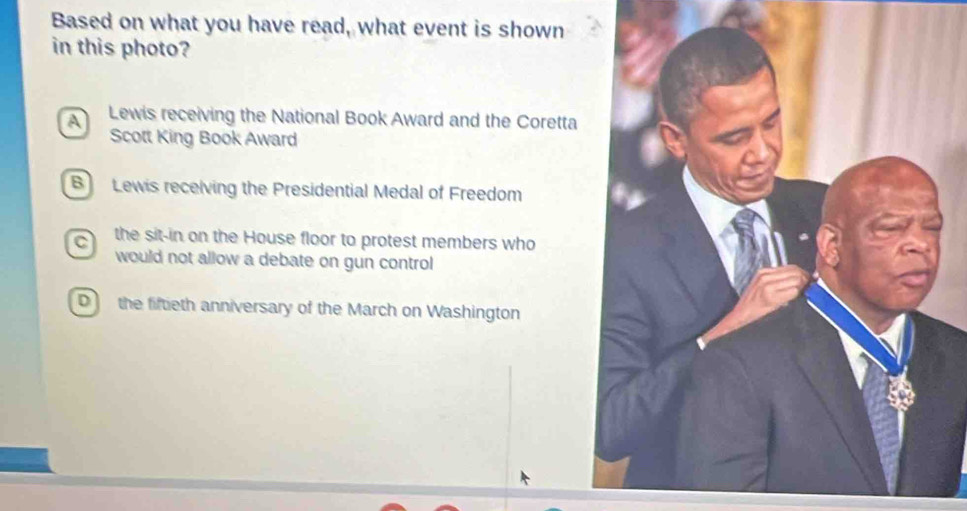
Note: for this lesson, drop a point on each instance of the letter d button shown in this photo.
(83, 302)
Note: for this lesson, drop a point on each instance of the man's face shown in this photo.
(891, 248)
(734, 142)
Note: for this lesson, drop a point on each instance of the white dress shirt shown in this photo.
(854, 353)
(717, 214)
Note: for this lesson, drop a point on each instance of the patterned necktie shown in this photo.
(885, 422)
(749, 256)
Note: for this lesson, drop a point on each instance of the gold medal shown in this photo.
(901, 394)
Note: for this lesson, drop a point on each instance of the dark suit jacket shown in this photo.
(664, 286)
(774, 407)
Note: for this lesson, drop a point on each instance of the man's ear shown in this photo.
(828, 240)
(674, 139)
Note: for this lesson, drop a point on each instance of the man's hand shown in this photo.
(770, 289)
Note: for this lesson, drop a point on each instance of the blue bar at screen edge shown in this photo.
(32, 459)
(23, 459)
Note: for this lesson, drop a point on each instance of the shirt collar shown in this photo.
(892, 335)
(716, 212)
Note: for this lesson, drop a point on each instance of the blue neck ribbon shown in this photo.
(875, 347)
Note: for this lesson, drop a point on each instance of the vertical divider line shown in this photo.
(510, 421)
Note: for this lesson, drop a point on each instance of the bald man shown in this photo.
(847, 390)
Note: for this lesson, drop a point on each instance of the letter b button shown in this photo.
(77, 184)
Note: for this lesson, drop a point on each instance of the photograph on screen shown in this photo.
(778, 315)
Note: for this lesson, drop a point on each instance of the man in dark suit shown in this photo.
(847, 390)
(726, 244)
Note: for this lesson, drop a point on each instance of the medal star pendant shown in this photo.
(901, 394)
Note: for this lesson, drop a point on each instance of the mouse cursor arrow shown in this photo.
(524, 478)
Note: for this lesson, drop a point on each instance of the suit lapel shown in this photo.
(788, 221)
(819, 352)
(926, 365)
(690, 251)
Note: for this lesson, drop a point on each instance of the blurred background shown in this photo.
(856, 80)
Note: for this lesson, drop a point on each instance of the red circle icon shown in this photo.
(447, 507)
(392, 506)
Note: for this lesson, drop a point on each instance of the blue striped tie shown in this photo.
(750, 256)
(883, 418)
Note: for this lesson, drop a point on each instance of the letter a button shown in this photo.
(72, 122)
